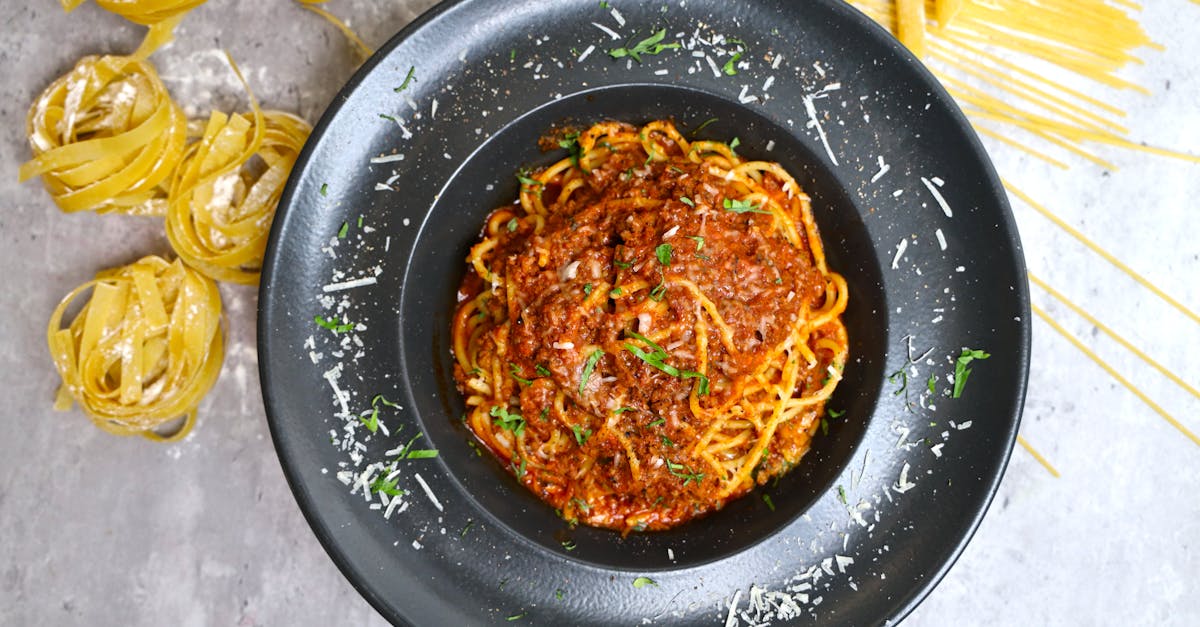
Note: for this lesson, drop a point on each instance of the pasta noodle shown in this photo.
(144, 349)
(144, 12)
(106, 137)
(652, 331)
(224, 194)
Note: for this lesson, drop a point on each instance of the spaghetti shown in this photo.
(652, 331)
(144, 349)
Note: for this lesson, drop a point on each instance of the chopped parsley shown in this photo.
(699, 241)
(932, 383)
(465, 529)
(541, 370)
(558, 593)
(545, 412)
(667, 441)
(604, 4)
(734, 144)
(658, 422)
(684, 472)
(581, 503)
(767, 499)
(824, 426)
(588, 367)
(899, 377)
(730, 67)
(412, 76)
(387, 117)
(651, 45)
(516, 616)
(702, 389)
(703, 124)
(961, 371)
(515, 371)
(654, 358)
(508, 421)
(842, 494)
(624, 265)
(519, 471)
(371, 421)
(512, 225)
(587, 289)
(344, 230)
(382, 484)
(642, 582)
(659, 292)
(581, 434)
(333, 325)
(569, 545)
(616, 291)
(687, 201)
(833, 413)
(324, 189)
(663, 252)
(570, 142)
(360, 221)
(525, 180)
(743, 206)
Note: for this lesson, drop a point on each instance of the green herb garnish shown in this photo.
(541, 370)
(684, 472)
(961, 371)
(324, 189)
(687, 201)
(658, 422)
(654, 358)
(743, 206)
(767, 499)
(344, 230)
(588, 367)
(650, 45)
(515, 371)
(842, 494)
(508, 421)
(569, 545)
(703, 124)
(833, 413)
(333, 325)
(381, 484)
(663, 252)
(642, 582)
(699, 241)
(730, 67)
(512, 225)
(581, 434)
(932, 383)
(587, 289)
(412, 70)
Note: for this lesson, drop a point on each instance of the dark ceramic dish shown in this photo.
(898, 469)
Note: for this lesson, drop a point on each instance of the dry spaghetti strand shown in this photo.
(364, 51)
(106, 137)
(1038, 456)
(1112, 372)
(144, 349)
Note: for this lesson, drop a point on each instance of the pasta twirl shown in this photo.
(223, 198)
(144, 349)
(106, 137)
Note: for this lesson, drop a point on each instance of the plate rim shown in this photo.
(271, 259)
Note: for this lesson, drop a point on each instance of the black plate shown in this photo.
(879, 509)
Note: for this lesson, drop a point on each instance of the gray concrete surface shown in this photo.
(101, 530)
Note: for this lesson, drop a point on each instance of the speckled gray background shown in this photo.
(101, 530)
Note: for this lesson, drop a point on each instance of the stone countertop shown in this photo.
(102, 530)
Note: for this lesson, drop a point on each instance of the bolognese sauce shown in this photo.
(651, 331)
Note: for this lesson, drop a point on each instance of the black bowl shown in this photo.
(435, 269)
(910, 488)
